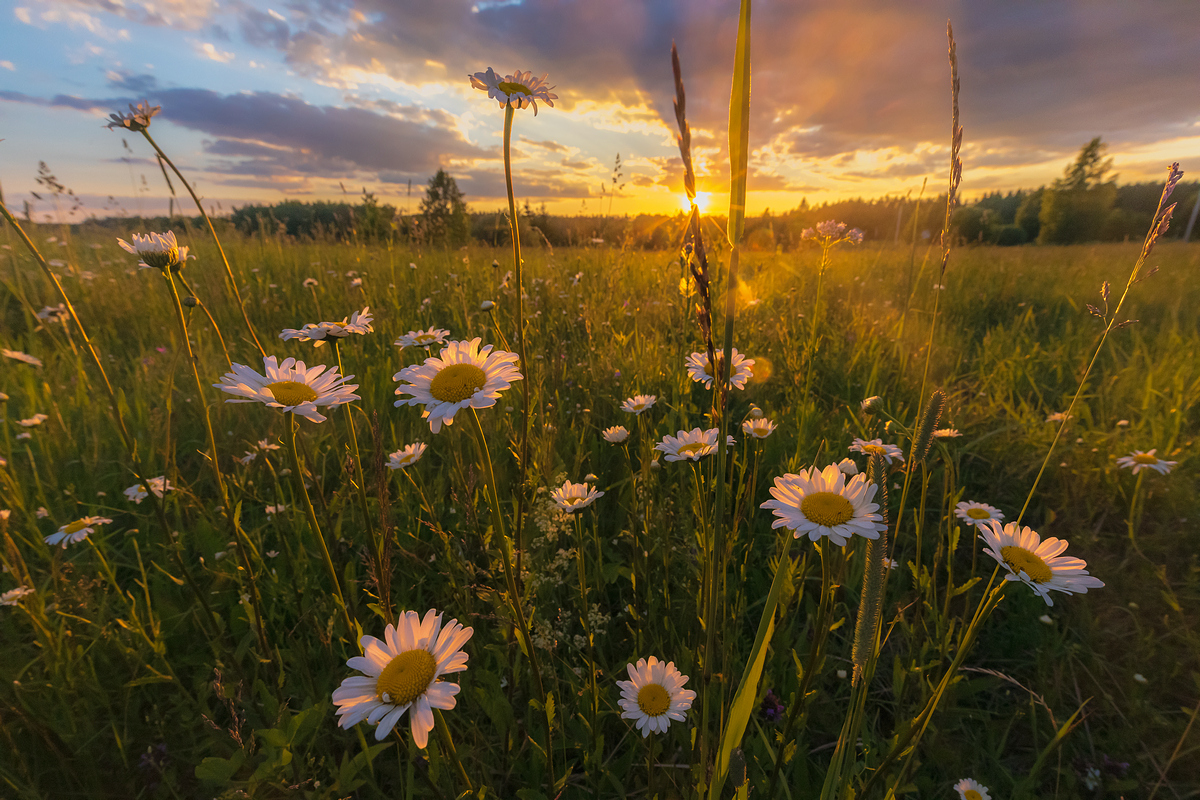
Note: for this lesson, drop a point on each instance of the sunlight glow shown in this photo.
(702, 199)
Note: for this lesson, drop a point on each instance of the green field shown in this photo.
(117, 682)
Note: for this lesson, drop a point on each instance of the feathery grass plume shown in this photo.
(956, 136)
(929, 423)
(870, 606)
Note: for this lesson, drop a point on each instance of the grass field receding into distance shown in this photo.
(118, 682)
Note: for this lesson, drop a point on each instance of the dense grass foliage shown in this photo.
(117, 683)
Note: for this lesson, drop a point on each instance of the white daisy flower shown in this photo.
(1138, 461)
(520, 89)
(157, 251)
(615, 434)
(75, 531)
(823, 503)
(41, 512)
(759, 428)
(272, 510)
(688, 445)
(654, 695)
(250, 456)
(33, 422)
(318, 332)
(265, 444)
(290, 386)
(137, 493)
(401, 672)
(971, 789)
(406, 456)
(877, 447)
(946, 433)
(422, 338)
(977, 514)
(463, 375)
(12, 596)
(572, 497)
(24, 358)
(138, 118)
(1036, 563)
(53, 313)
(639, 403)
(700, 369)
(1057, 416)
(848, 467)
(26, 435)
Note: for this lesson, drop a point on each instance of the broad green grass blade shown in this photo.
(743, 701)
(739, 128)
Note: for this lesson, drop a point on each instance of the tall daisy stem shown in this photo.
(448, 745)
(316, 526)
(514, 600)
(228, 270)
(518, 269)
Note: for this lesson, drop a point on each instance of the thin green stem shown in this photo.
(360, 484)
(207, 313)
(448, 744)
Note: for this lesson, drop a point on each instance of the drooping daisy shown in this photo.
(138, 118)
(13, 596)
(759, 428)
(572, 497)
(977, 514)
(33, 422)
(157, 251)
(137, 493)
(877, 447)
(615, 434)
(823, 503)
(1138, 461)
(699, 367)
(75, 531)
(971, 789)
(424, 339)
(639, 403)
(402, 672)
(318, 332)
(520, 89)
(848, 467)
(24, 358)
(290, 386)
(406, 456)
(690, 445)
(463, 375)
(654, 695)
(1036, 563)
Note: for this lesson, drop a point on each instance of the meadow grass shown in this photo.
(116, 683)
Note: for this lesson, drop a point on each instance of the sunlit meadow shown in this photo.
(374, 518)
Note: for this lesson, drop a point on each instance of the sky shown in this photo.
(267, 100)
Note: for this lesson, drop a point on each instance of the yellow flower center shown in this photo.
(511, 87)
(653, 700)
(692, 449)
(1145, 458)
(406, 677)
(1021, 560)
(827, 508)
(291, 393)
(971, 794)
(978, 513)
(424, 338)
(874, 450)
(457, 382)
(76, 526)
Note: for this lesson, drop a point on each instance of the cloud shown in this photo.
(181, 14)
(137, 84)
(208, 50)
(8, 65)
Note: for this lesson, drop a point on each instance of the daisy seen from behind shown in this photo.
(463, 375)
(402, 672)
(977, 514)
(701, 371)
(424, 339)
(158, 251)
(571, 497)
(1138, 461)
(1036, 562)
(518, 90)
(318, 332)
(75, 531)
(759, 428)
(820, 503)
(137, 493)
(877, 447)
(654, 695)
(971, 789)
(616, 434)
(690, 445)
(289, 386)
(406, 456)
(639, 403)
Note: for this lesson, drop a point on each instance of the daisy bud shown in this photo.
(847, 467)
(872, 404)
(486, 305)
(190, 302)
